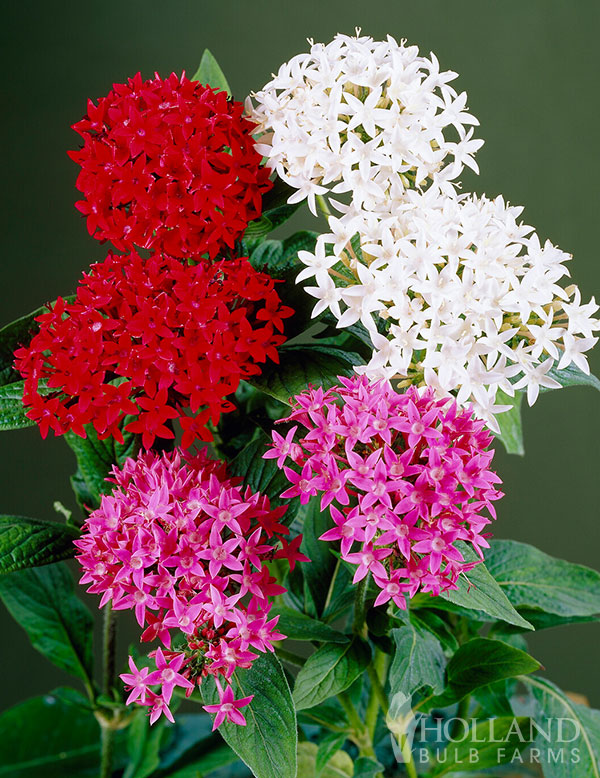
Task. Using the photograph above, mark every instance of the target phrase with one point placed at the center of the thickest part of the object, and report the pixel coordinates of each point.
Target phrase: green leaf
(493, 698)
(329, 671)
(279, 257)
(143, 746)
(263, 475)
(42, 601)
(327, 714)
(32, 542)
(268, 742)
(534, 580)
(481, 662)
(572, 376)
(12, 410)
(339, 765)
(49, 736)
(193, 748)
(95, 459)
(328, 746)
(418, 661)
(318, 573)
(511, 428)
(552, 705)
(303, 365)
(492, 743)
(299, 626)
(478, 590)
(209, 72)
(365, 767)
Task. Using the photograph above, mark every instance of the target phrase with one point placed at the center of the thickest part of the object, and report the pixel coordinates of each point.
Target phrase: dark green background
(531, 70)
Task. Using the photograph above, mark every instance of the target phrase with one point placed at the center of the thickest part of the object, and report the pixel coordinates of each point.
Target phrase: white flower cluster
(371, 118)
(456, 294)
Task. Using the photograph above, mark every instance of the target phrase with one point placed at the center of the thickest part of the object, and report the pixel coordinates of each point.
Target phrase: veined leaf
(42, 601)
(32, 542)
(511, 427)
(301, 366)
(268, 742)
(532, 579)
(329, 671)
(418, 661)
(299, 626)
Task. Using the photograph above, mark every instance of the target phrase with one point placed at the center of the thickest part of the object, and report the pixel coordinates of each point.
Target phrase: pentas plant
(146, 341)
(183, 547)
(405, 476)
(291, 501)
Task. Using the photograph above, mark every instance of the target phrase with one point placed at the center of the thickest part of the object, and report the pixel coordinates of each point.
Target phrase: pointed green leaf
(478, 590)
(49, 736)
(418, 661)
(339, 764)
(511, 428)
(303, 365)
(268, 742)
(32, 542)
(365, 767)
(328, 746)
(532, 579)
(299, 626)
(12, 410)
(42, 601)
(581, 728)
(573, 376)
(209, 72)
(329, 671)
(481, 662)
(492, 743)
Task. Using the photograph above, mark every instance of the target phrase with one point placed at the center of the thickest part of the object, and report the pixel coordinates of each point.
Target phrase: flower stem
(109, 635)
(409, 762)
(360, 734)
(378, 698)
(323, 206)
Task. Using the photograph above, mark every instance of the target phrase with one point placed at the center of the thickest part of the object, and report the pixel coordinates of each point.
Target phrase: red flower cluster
(169, 165)
(150, 338)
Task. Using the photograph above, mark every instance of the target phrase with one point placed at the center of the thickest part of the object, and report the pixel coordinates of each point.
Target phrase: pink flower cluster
(405, 477)
(184, 547)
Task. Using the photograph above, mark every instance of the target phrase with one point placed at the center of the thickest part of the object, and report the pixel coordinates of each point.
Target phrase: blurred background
(531, 73)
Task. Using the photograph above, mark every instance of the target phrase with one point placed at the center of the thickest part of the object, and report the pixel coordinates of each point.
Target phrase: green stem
(378, 698)
(409, 762)
(323, 206)
(109, 635)
(461, 713)
(360, 734)
(108, 747)
(359, 626)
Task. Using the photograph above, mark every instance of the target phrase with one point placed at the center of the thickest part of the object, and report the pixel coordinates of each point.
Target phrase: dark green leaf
(95, 459)
(418, 661)
(478, 590)
(49, 736)
(318, 573)
(210, 73)
(193, 748)
(328, 746)
(365, 767)
(492, 743)
(299, 626)
(580, 735)
(267, 744)
(303, 365)
(494, 699)
(31, 542)
(327, 714)
(143, 746)
(42, 600)
(511, 428)
(329, 671)
(532, 579)
(12, 410)
(573, 376)
(279, 258)
(481, 662)
(263, 475)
